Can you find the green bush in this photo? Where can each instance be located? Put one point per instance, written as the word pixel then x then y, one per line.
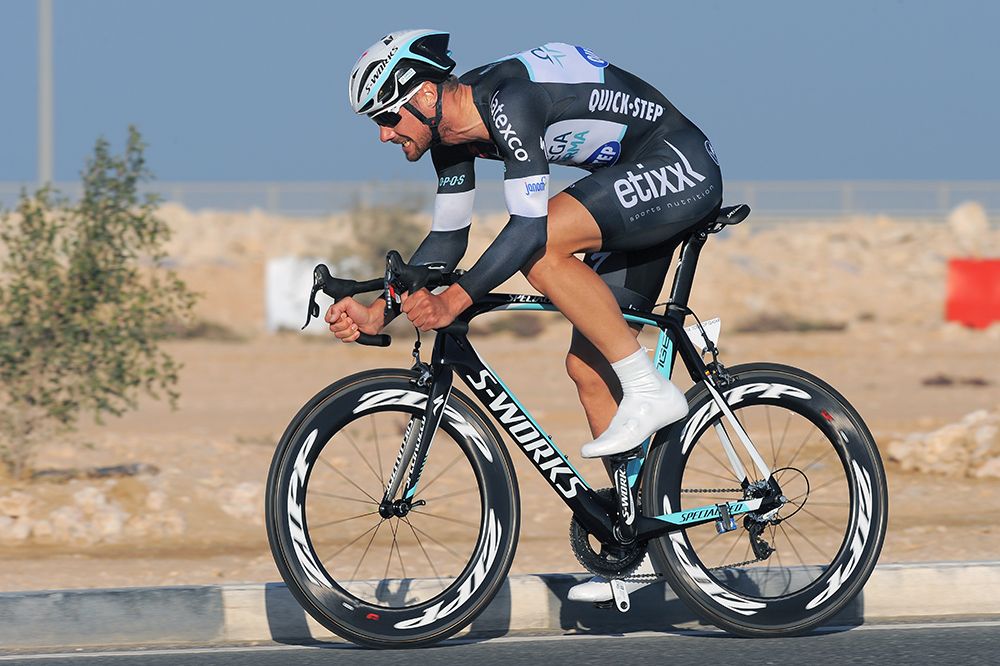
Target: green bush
pixel 84 303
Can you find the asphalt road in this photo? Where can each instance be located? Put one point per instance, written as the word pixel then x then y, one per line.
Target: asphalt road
pixel 928 643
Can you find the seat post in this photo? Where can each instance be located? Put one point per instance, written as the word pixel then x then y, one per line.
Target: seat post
pixel 687 262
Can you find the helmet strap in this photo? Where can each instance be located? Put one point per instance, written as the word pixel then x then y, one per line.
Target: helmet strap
pixel 432 123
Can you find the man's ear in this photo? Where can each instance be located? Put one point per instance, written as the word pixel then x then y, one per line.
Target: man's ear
pixel 426 99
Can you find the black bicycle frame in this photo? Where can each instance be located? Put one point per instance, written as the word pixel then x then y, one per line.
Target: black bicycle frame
pixel 453 350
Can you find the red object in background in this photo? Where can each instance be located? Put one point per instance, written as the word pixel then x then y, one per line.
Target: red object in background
pixel 973 292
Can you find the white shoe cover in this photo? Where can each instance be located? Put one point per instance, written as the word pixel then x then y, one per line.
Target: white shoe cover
pixel 598 589
pixel 638 417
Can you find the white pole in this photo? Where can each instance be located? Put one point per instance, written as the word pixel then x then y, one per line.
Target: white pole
pixel 45 130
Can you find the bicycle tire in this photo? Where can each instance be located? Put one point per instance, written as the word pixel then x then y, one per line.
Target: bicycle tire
pixel 392 620
pixel 754 599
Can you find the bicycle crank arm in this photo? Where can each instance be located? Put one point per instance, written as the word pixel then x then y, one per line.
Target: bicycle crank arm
pixel 651 527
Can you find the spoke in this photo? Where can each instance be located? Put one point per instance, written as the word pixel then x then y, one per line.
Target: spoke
pixel 707 473
pixel 832 481
pixel 363 458
pixel 392 546
pixel 367 548
pixel 814 503
pixel 801 446
pixel 339 497
pixel 451 520
pixel 447 495
pixel 348 479
pixel 446 468
pixel 822 521
pixel 424 550
pixel 342 520
pixel 770 433
pixel 792 545
pixel 725 466
pixel 807 540
pixel 378 458
pixel 817 459
pixel 731 546
pixel 353 541
pixel 784 433
pixel 436 542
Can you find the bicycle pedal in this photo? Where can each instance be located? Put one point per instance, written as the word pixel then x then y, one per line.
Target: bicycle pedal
pixel 620 593
pixel 604 605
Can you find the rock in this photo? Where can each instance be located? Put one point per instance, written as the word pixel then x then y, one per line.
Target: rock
pixel 244 501
pixel 15 505
pixel 970 447
pixel 69 525
pixel 970 226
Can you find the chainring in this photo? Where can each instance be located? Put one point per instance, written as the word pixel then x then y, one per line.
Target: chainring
pixel 612 561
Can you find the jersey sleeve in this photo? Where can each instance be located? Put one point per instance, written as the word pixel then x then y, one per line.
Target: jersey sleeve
pixel 448 239
pixel 518 114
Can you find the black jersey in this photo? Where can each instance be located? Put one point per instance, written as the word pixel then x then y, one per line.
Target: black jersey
pixel 558 104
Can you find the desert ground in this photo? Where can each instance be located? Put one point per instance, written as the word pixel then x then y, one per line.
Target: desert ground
pixel 858 302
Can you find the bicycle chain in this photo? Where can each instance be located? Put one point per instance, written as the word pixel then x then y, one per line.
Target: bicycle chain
pixel 716 491
pixel 652 578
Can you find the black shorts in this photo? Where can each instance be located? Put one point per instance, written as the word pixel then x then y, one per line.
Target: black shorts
pixel 644 208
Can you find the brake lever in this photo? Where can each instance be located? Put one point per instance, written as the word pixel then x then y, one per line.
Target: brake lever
pixel 320 273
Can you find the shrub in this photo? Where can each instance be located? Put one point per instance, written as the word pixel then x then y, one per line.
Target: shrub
pixel 84 302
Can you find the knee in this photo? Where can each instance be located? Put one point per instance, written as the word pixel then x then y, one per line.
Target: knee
pixel 538 271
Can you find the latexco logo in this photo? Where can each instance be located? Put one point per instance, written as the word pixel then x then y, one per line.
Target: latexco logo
pixel 507 132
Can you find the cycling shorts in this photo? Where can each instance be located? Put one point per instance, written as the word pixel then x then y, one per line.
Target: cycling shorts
pixel 643 209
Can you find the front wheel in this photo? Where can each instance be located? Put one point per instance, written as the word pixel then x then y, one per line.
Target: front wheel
pixel 401 580
pixel 789 571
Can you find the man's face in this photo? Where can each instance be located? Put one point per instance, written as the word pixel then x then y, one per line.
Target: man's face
pixel 410 133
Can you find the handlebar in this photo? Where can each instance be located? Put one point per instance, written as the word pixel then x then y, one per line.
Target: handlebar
pixel 399 277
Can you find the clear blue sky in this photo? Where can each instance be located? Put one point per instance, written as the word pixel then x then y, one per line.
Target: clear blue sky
pixel 254 90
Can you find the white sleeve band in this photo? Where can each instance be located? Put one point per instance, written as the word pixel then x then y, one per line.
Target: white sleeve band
pixel 528 197
pixel 453 211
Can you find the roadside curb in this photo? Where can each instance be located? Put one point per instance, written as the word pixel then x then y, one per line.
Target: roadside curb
pixel 268 612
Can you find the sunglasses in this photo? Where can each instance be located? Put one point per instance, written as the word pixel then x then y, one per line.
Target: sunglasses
pixel 387 119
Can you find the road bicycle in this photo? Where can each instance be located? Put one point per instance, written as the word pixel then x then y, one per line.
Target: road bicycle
pixel 764 509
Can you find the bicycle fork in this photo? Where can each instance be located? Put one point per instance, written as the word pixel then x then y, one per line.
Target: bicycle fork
pixel 416 442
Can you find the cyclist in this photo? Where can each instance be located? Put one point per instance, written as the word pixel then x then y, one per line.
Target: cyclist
pixel 653 176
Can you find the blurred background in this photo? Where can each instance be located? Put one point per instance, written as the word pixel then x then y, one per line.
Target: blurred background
pixel 863 135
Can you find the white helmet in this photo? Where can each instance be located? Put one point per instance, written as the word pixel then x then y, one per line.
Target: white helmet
pixel 392 69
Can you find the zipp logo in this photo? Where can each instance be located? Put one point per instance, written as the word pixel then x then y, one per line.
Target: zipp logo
pixel 704 416
pixel 656 183
pixel 303 552
pixel 520 427
pixel 507 133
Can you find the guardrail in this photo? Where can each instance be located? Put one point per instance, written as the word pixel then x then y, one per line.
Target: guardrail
pixel 775 199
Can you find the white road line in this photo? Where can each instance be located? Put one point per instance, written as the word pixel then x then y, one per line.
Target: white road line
pixel 680 633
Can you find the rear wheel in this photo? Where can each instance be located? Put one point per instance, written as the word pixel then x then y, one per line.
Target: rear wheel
pixel 788 572
pixel 401 580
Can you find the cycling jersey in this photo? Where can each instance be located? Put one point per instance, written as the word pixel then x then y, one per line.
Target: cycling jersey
pixel 654 172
